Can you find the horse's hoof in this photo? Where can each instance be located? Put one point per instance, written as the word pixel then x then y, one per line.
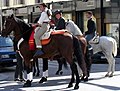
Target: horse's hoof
pixel 22 80
pixel 111 75
pixel 37 75
pixel 57 73
pixel 70 85
pixel 82 79
pixel 27 84
pixel 61 72
pixel 43 79
pixel 86 79
pixel 33 74
pixel 107 75
pixel 76 87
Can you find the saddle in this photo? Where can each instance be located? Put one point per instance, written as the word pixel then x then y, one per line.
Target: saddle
pixel 46 37
pixel 95 39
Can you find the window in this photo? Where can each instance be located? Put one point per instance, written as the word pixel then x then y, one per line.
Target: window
pixel 37 1
pixel 6 2
pixel 19 2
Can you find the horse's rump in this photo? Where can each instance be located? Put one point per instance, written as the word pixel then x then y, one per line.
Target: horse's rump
pixel 109 43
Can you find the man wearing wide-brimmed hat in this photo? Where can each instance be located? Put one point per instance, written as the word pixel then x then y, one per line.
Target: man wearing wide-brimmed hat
pixel 43 26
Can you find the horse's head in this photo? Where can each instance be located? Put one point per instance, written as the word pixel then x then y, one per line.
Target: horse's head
pixel 9 25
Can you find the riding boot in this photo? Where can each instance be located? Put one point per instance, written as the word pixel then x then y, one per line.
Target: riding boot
pixel 39 52
pixel 89 47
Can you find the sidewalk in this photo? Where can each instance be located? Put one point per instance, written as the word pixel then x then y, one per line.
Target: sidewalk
pixel 117 60
pixel 3 77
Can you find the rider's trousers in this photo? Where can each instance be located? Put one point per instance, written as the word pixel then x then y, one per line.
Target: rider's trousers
pixel 39 31
pixel 89 36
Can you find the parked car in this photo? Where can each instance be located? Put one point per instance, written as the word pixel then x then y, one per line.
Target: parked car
pixel 7 54
pixel 99 58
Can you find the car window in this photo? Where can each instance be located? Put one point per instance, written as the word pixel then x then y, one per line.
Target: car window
pixel 5 42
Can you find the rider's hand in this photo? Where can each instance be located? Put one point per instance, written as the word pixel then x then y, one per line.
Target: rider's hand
pixel 83 34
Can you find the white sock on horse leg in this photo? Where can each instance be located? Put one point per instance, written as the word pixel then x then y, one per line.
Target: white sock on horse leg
pixel 45 73
pixel 30 76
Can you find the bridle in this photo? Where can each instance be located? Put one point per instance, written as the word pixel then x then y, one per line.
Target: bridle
pixel 8 26
pixel 20 35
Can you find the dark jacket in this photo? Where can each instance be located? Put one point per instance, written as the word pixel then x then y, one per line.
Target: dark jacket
pixel 91 27
pixel 60 24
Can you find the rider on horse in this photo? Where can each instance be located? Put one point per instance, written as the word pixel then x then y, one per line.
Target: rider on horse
pixel 43 26
pixel 91 26
pixel 60 24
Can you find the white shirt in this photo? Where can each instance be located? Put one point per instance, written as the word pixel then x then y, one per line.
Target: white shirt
pixel 73 28
pixel 44 17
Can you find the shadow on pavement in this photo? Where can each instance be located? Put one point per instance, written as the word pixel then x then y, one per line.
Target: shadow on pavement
pixel 19 85
pixel 103 77
pixel 105 86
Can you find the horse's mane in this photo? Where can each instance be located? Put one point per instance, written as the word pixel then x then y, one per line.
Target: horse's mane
pixel 24 27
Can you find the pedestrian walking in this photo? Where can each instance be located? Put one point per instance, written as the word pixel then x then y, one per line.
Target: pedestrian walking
pixel 19 71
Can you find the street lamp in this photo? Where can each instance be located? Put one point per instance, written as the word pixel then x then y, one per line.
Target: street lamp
pixel 1 14
pixel 103 31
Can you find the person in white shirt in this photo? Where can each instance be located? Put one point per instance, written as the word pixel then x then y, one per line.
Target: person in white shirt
pixel 43 26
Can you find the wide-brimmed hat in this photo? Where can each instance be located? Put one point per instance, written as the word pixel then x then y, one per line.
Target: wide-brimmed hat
pixel 58 12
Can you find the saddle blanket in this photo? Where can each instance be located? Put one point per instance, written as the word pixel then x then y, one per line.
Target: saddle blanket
pixel 47 34
pixel 45 38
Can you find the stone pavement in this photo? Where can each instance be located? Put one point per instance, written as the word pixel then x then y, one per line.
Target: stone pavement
pixel 3 77
pixel 97 81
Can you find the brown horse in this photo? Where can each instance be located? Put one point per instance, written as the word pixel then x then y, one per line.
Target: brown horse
pixel 64 45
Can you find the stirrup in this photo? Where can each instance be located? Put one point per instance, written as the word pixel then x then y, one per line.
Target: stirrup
pixel 38 53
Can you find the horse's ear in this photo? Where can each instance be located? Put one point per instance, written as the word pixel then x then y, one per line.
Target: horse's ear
pixel 12 16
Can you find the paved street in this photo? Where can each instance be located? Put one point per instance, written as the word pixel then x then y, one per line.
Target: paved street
pixel 97 81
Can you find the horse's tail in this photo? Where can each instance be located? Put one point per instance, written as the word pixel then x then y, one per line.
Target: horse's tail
pixel 79 55
pixel 65 64
pixel 114 47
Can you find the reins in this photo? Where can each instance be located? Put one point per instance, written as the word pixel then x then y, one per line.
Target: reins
pixel 8 27
pixel 21 29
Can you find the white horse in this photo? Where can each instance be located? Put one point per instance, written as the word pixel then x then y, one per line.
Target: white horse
pixel 106 45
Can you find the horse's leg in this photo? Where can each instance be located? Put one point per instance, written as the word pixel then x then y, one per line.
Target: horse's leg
pixel 29 74
pixel 88 60
pixel 75 71
pixel 45 71
pixel 80 58
pixel 34 68
pixel 111 65
pixel 59 71
pixel 72 79
pixel 37 66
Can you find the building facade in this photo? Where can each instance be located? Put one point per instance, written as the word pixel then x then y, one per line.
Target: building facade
pixel 110 16
pixel 72 9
